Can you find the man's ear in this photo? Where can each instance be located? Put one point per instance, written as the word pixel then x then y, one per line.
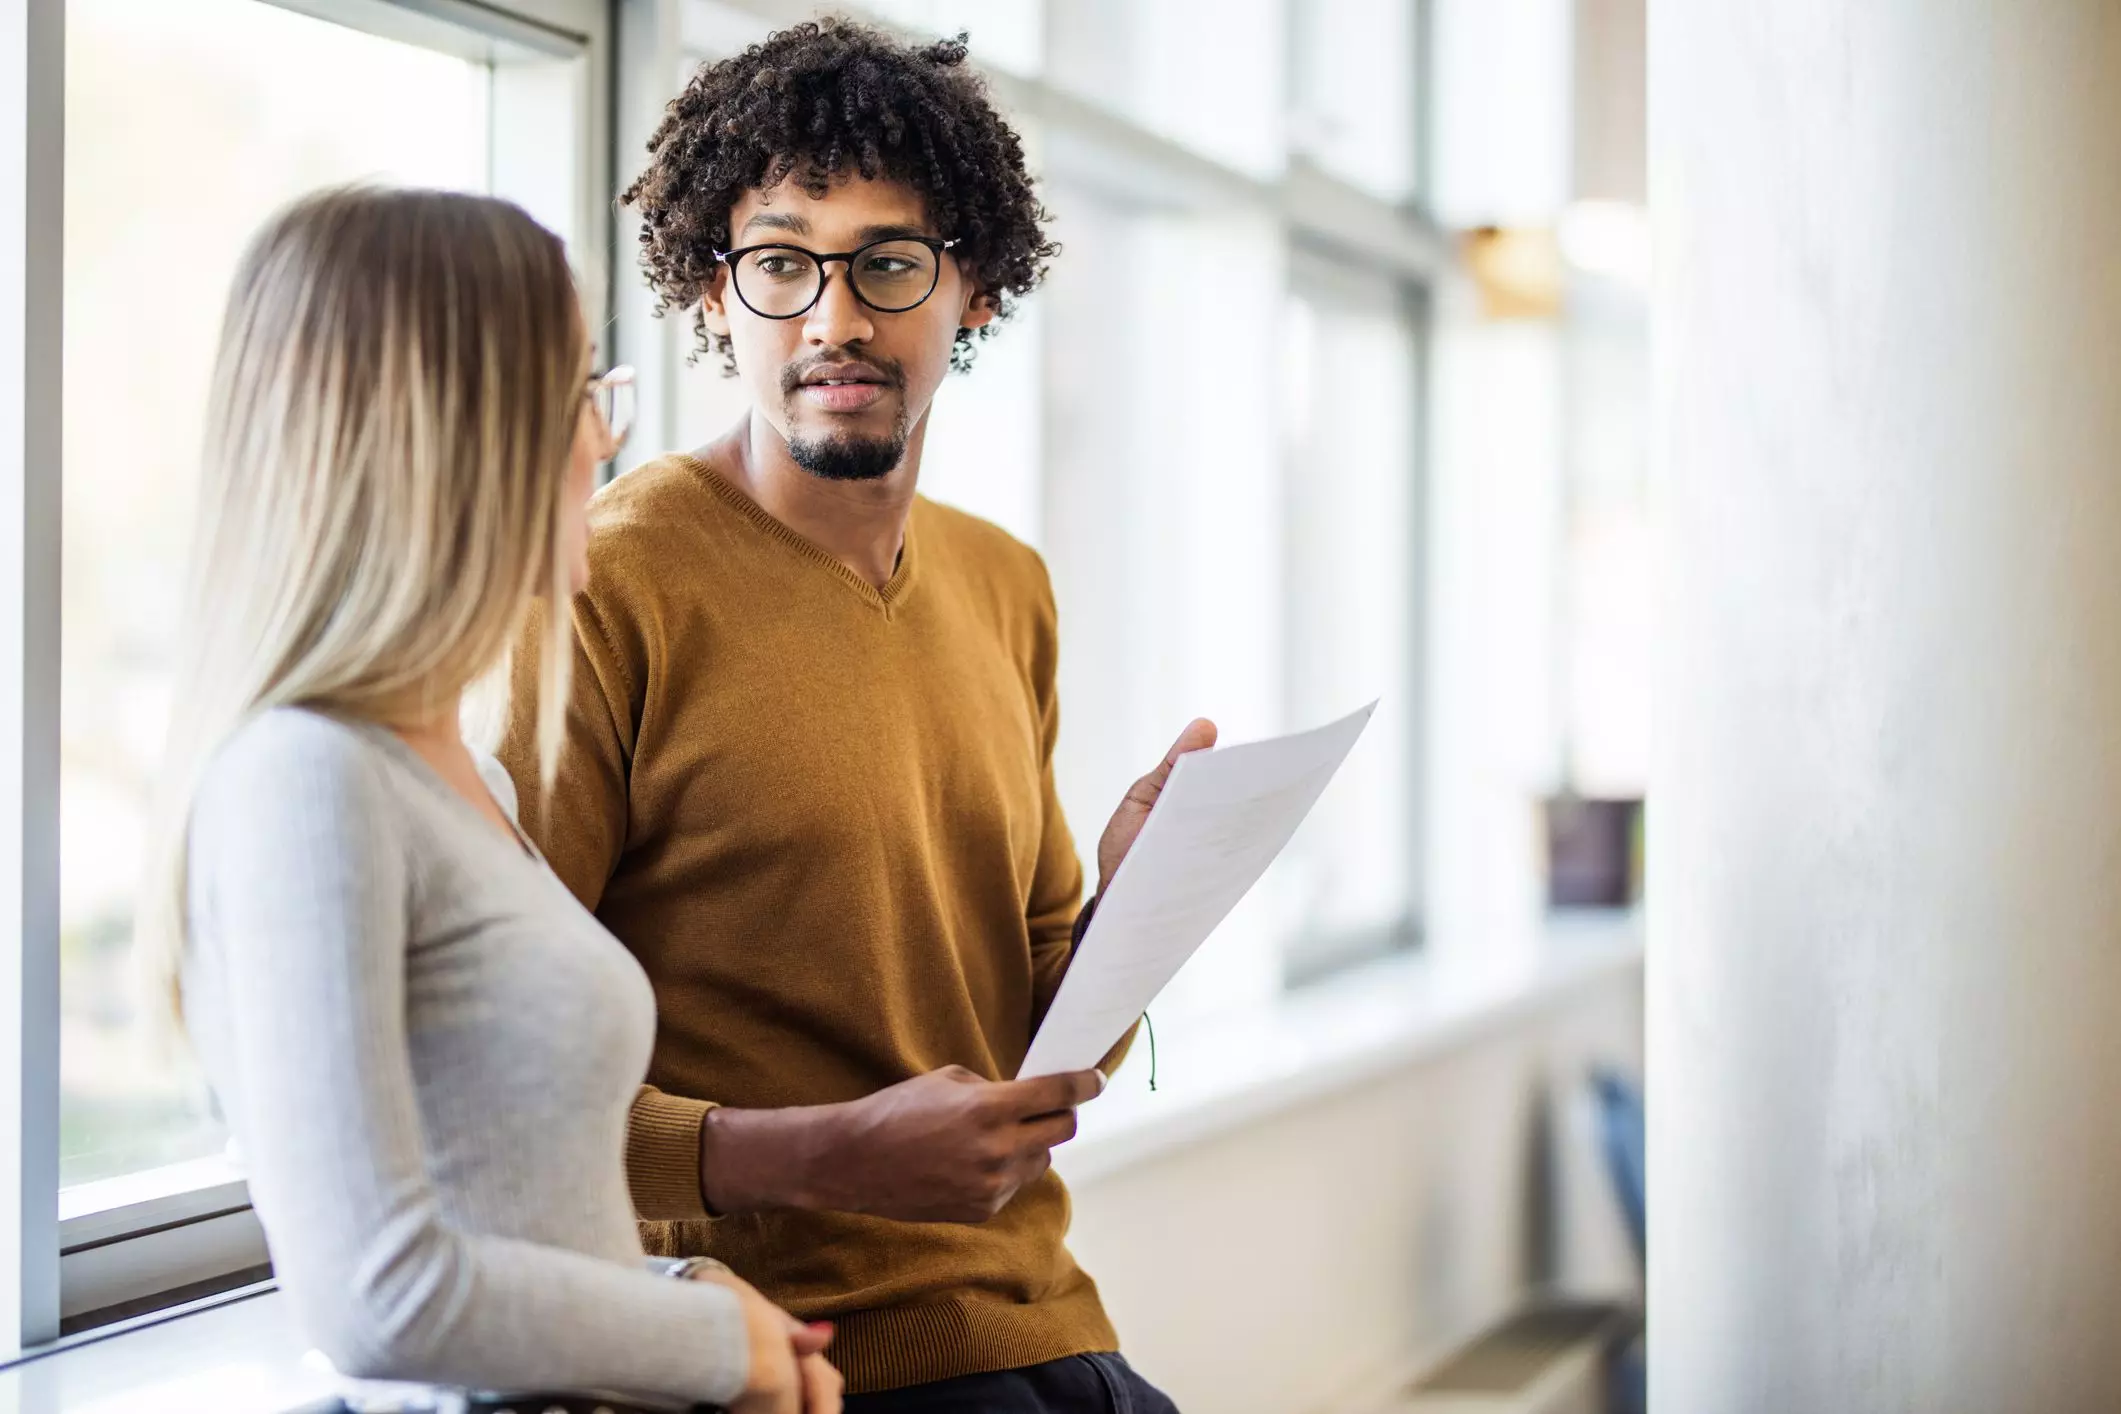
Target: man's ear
pixel 714 303
pixel 981 309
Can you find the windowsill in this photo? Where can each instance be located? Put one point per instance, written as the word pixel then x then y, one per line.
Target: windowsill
pixel 1218 1073
pixel 93 1212
pixel 233 1355
pixel 242 1355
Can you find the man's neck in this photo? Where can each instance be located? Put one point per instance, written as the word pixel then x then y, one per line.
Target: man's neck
pixel 862 524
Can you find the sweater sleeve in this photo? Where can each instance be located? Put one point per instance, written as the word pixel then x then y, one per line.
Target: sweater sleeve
pixel 1057 915
pixel 1057 879
pixel 581 828
pixel 301 894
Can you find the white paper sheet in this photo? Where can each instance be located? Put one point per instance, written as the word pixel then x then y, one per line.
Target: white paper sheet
pixel 1222 818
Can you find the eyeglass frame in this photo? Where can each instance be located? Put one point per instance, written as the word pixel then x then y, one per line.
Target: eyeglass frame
pixel 936 246
pixel 610 381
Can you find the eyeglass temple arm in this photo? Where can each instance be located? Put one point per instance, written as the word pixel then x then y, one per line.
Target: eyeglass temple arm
pixel 837 255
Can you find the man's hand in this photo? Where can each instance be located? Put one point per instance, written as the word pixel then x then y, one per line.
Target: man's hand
pixel 1133 812
pixel 942 1147
pixel 951 1147
pixel 789 1372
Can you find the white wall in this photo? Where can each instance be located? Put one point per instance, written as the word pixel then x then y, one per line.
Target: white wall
pixel 1306 1261
pixel 1885 991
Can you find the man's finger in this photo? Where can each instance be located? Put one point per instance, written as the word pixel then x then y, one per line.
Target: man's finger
pixel 1199 735
pixel 1050 1131
pixel 1033 1168
pixel 1050 1093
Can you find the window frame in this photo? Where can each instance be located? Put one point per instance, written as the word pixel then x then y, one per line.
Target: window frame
pixel 32 235
pixel 71 1276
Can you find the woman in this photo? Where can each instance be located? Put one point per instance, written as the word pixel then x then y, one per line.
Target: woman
pixel 425 1047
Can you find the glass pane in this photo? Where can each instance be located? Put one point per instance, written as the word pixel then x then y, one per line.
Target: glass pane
pixel 186 125
pixel 1004 34
pixel 1208 74
pixel 1609 560
pixel 1354 104
pixel 981 448
pixel 1161 508
pixel 1350 542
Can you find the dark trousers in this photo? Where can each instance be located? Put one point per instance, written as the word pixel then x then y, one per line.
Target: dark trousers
pixel 1080 1384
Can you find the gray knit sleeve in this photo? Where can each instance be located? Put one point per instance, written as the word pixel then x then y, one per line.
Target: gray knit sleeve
pixel 297 984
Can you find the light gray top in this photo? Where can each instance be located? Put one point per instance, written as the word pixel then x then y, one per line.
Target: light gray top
pixel 427 1051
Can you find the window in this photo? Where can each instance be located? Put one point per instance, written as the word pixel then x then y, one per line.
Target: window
pixel 1208 75
pixel 982 452
pixel 184 127
pixel 1006 34
pixel 249 107
pixel 1163 497
pixel 1352 105
pixel 1352 539
pixel 1609 555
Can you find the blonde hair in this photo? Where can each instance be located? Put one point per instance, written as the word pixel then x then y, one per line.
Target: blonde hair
pixel 394 402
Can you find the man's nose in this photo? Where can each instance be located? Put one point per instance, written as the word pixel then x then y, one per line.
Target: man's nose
pixel 837 317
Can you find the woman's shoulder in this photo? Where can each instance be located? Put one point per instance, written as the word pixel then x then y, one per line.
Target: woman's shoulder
pixel 290 755
pixel 296 809
pixel 294 738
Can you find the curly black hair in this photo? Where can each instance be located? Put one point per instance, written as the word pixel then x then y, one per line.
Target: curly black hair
pixel 816 103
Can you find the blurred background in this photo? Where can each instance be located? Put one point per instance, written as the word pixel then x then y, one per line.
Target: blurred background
pixel 1337 392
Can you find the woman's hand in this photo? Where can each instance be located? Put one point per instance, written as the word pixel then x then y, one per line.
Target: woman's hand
pixel 789 1372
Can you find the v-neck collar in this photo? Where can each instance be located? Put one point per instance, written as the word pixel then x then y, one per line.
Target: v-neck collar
pixel 889 600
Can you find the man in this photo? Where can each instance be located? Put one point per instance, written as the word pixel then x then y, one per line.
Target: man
pixel 809 770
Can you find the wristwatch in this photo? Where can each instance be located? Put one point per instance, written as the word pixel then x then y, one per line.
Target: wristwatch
pixel 689 1268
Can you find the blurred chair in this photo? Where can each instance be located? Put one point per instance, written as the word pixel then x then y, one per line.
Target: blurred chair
pixel 1622 1134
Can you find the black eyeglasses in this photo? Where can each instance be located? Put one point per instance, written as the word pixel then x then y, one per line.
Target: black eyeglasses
pixel 785 281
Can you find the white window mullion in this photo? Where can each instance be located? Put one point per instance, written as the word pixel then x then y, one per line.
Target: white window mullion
pixel 32 62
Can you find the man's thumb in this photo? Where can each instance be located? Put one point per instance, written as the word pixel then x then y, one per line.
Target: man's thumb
pixel 1199 735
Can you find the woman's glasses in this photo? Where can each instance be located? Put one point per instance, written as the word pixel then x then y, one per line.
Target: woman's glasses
pixel 613 395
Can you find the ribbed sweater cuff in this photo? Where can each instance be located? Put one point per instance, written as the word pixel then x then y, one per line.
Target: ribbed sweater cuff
pixel 1082 923
pixel 663 1157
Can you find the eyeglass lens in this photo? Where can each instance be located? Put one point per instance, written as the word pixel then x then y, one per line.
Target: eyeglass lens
pixel 615 404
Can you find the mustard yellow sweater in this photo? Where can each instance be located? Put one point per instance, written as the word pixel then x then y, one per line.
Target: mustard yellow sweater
pixel 823 818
